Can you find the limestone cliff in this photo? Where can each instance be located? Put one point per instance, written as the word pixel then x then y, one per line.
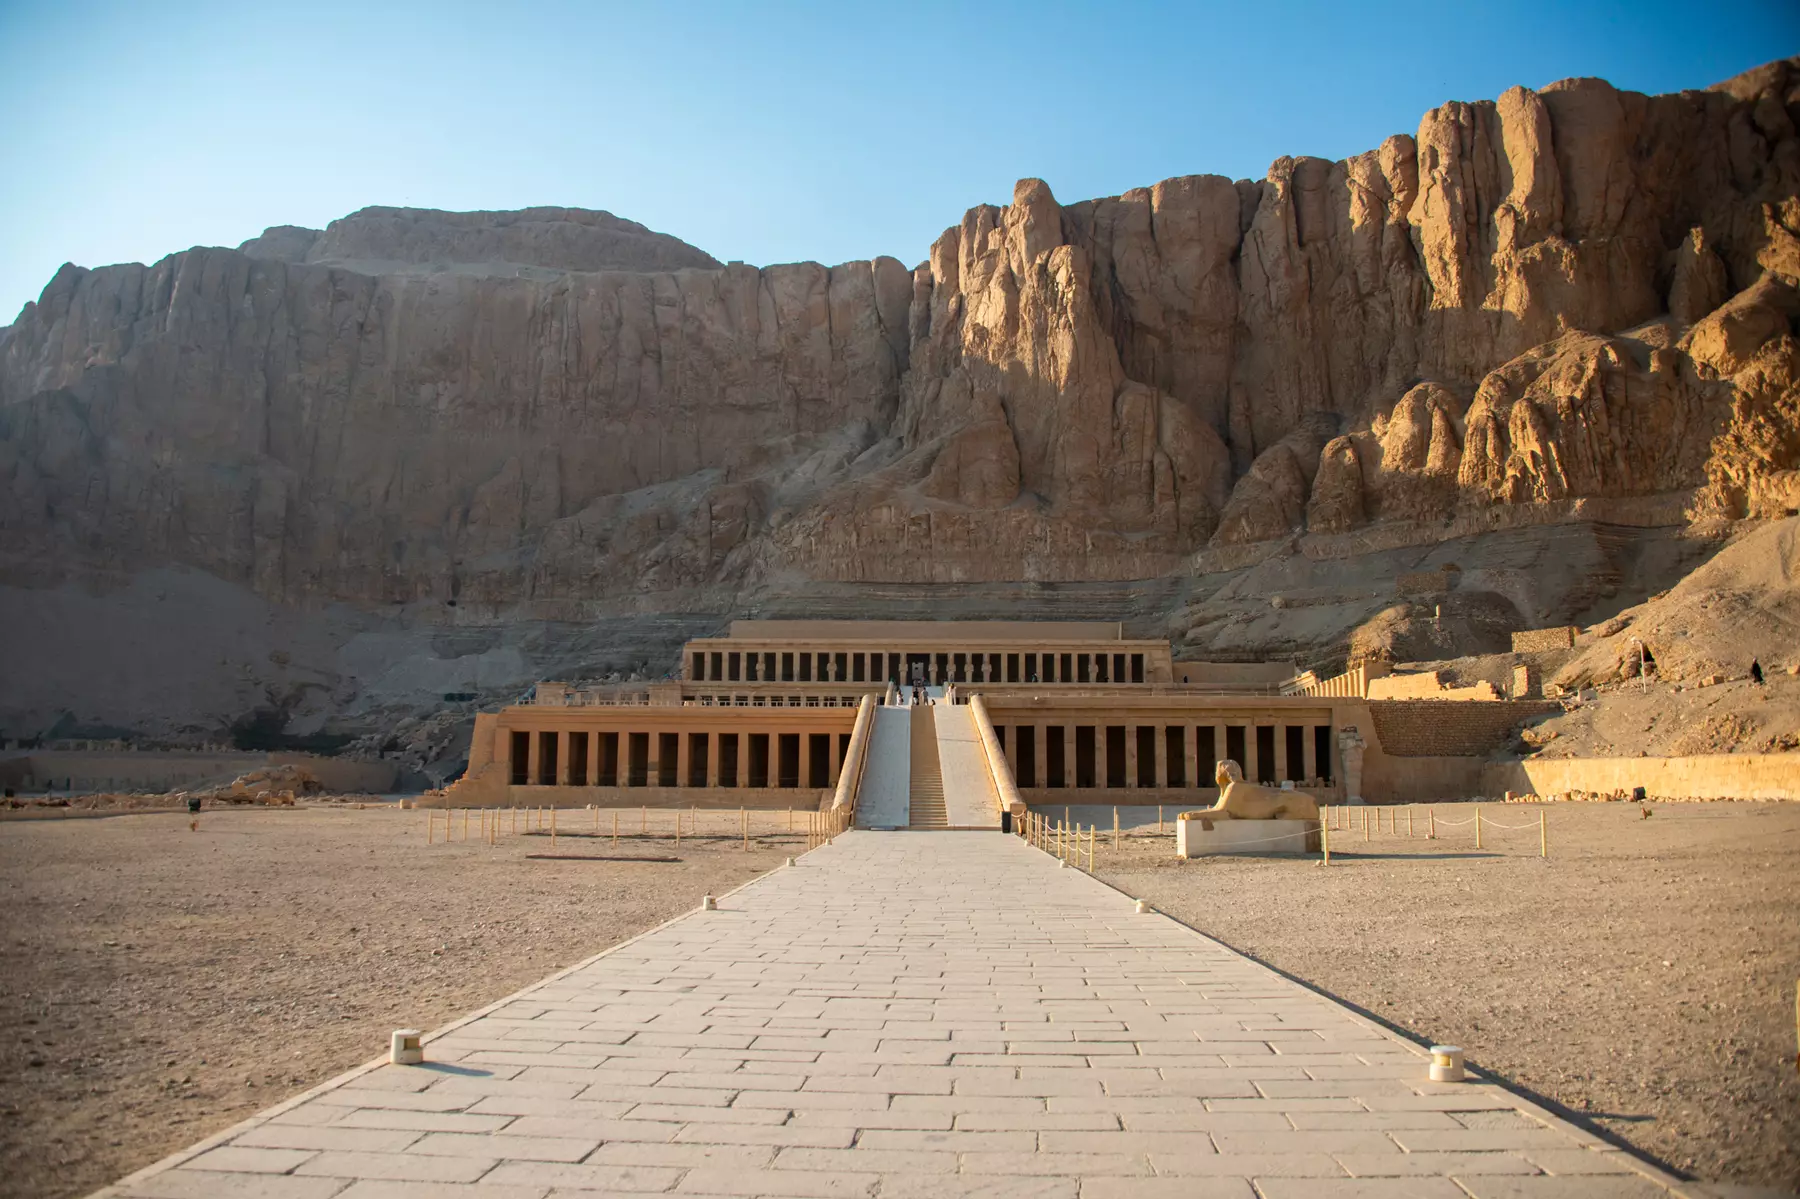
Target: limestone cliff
pixel 1561 304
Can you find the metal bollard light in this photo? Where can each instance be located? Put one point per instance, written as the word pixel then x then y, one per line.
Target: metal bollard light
pixel 1446 1063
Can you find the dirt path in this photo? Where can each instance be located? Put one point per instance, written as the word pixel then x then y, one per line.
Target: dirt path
pixel 1643 975
pixel 158 984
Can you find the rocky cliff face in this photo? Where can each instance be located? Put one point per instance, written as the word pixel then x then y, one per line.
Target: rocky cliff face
pixel 1565 304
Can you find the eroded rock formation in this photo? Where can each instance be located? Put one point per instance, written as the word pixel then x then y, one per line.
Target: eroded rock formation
pixel 1561 297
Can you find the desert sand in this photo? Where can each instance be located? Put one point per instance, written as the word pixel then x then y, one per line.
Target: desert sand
pixel 158 983
pixel 1642 976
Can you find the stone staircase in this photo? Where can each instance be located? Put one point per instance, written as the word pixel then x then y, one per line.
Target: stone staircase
pixel 927 808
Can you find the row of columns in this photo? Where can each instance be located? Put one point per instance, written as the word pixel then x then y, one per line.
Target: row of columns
pixel 553 757
pixel 940 666
pixel 1312 762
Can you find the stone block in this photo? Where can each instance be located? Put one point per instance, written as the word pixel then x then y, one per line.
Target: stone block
pixel 1199 836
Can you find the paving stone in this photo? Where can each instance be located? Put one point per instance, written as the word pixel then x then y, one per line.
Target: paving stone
pixel 374 1117
pixel 1388 1165
pixel 1580 1161
pixel 1541 1187
pixel 584 1175
pixel 1167 1188
pixel 392 1189
pixel 801 1184
pixel 182 1183
pixel 287 1136
pixel 1359 1188
pixel 977 1186
pixel 400 1166
pixel 245 1160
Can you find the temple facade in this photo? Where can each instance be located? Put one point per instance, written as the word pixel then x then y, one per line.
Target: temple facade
pixel 789 714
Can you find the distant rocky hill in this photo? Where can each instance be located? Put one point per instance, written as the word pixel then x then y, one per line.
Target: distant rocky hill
pixel 556 240
pixel 1569 309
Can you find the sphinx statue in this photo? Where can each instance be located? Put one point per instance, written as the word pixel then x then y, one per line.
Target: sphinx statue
pixel 1240 800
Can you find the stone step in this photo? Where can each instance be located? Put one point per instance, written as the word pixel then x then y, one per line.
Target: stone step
pixel 927 796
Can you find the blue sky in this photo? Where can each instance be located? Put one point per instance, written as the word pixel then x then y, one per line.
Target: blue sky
pixel 768 133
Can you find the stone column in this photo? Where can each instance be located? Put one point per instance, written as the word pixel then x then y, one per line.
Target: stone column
pixel 1100 756
pixel 1162 756
pixel 1039 753
pixel 682 761
pixel 1220 753
pixel 565 755
pixel 837 757
pixel 1190 748
pixel 1309 758
pixel 534 757
pixel 1350 750
pixel 1252 762
pixel 1281 762
pixel 1131 755
pixel 712 760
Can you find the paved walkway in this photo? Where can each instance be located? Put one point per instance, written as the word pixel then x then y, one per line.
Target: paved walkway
pixel 909 1014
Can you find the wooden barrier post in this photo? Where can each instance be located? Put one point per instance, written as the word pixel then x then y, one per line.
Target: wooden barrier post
pixel 596 821
pixel 744 826
pixel 430 824
pixel 552 828
pixel 1365 822
pixel 644 820
pixel 1159 828
pixel 1410 809
pixel 1477 826
pixel 1325 840
pixel 1432 813
pixel 790 818
pixel 615 828
pixel 678 828
pixel 1115 826
pixel 1543 836
pixel 465 835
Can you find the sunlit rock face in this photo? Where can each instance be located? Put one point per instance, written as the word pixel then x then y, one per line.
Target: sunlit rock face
pixel 1561 297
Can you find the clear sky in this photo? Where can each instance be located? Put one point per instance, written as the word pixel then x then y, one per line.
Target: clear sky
pixel 763 132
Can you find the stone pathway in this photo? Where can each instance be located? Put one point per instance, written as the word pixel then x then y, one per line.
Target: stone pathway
pixel 908 1014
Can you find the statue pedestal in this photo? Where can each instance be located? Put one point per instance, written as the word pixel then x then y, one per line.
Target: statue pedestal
pixel 1201 836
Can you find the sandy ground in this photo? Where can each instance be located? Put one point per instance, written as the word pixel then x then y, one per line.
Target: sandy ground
pixel 158 984
pixel 1643 976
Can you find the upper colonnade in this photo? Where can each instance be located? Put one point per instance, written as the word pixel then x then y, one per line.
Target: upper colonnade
pixel 934 652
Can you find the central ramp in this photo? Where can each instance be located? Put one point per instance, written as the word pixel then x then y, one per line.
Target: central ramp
pixel 968 785
pixel 910 1015
pixel 884 799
